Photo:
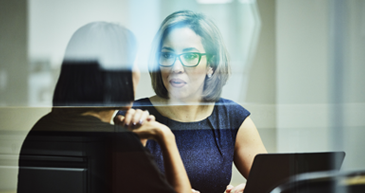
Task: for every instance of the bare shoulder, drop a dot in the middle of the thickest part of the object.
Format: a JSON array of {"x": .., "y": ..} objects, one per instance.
[
  {"x": 157, "y": 101},
  {"x": 154, "y": 98}
]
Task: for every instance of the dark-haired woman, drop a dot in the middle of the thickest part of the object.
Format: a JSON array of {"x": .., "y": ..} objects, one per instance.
[
  {"x": 189, "y": 67},
  {"x": 74, "y": 148}
]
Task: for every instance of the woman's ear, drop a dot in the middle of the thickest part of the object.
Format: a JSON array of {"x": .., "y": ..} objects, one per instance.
[{"x": 210, "y": 72}]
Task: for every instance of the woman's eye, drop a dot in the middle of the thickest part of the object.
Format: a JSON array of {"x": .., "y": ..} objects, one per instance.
[
  {"x": 190, "y": 56},
  {"x": 167, "y": 55}
]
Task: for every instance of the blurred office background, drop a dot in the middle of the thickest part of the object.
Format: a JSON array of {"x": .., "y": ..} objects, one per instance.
[{"x": 297, "y": 65}]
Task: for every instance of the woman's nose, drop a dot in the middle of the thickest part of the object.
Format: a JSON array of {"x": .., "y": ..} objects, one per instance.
[{"x": 177, "y": 67}]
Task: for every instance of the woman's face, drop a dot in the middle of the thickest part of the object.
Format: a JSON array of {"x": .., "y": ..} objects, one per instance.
[{"x": 184, "y": 83}]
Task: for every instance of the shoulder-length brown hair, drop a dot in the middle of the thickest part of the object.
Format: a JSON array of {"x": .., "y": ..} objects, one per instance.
[{"x": 213, "y": 44}]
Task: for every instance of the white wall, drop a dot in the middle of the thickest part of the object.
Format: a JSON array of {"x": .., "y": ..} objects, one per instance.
[
  {"x": 354, "y": 85},
  {"x": 52, "y": 23},
  {"x": 302, "y": 75},
  {"x": 318, "y": 108}
]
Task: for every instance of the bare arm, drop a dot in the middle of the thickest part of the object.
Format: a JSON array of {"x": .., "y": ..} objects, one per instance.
[{"x": 248, "y": 145}]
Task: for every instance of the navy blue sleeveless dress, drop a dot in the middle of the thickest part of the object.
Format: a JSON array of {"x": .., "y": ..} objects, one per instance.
[{"x": 206, "y": 147}]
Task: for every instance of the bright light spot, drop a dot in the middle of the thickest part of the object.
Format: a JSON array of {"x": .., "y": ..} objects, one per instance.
[
  {"x": 214, "y": 1},
  {"x": 247, "y": 1}
]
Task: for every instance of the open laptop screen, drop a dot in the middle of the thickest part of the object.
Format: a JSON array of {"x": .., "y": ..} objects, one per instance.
[{"x": 270, "y": 170}]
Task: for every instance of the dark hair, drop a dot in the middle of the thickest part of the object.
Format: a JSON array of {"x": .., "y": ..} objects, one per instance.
[
  {"x": 213, "y": 44},
  {"x": 90, "y": 75},
  {"x": 86, "y": 84}
]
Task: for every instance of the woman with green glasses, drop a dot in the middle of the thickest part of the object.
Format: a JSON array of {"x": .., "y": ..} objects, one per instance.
[{"x": 189, "y": 66}]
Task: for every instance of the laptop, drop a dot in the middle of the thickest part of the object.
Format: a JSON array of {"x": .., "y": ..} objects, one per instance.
[{"x": 270, "y": 170}]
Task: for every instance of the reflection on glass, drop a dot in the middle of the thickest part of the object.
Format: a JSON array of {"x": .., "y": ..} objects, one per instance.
[{"x": 40, "y": 29}]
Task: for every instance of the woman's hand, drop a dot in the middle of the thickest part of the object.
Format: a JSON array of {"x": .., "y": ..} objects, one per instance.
[
  {"x": 133, "y": 118},
  {"x": 238, "y": 189},
  {"x": 144, "y": 125}
]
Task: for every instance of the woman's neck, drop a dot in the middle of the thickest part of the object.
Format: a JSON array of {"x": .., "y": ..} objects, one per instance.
[{"x": 181, "y": 110}]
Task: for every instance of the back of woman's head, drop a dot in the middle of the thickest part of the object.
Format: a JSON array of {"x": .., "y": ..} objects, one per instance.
[{"x": 97, "y": 67}]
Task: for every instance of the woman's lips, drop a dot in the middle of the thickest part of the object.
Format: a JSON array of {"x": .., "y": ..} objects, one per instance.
[{"x": 177, "y": 83}]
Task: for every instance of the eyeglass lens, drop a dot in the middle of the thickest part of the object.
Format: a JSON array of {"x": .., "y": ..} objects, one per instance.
[{"x": 187, "y": 59}]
